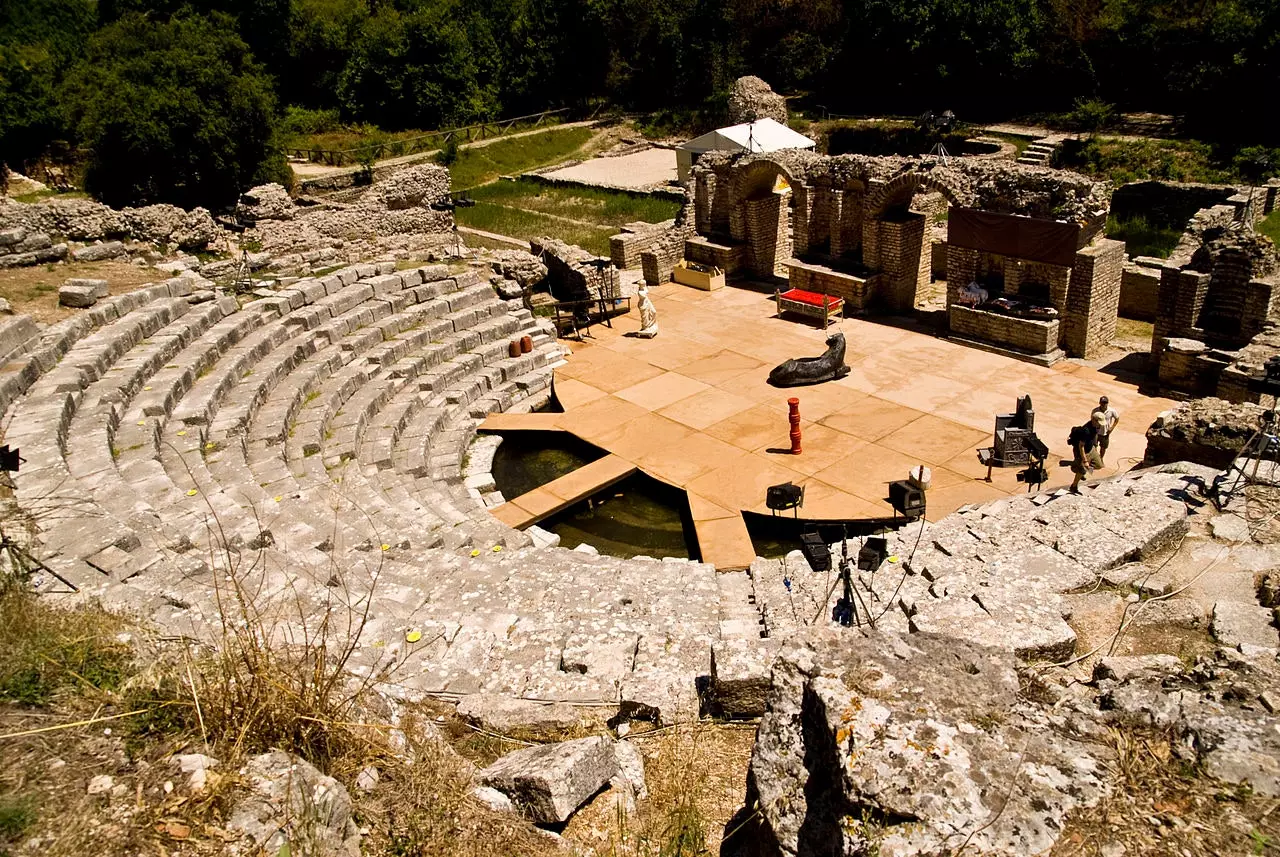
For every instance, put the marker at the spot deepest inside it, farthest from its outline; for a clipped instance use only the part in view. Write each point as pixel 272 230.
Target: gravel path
pixel 639 170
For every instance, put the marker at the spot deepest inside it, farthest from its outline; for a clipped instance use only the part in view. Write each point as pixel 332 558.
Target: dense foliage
pixel 175 112
pixel 403 64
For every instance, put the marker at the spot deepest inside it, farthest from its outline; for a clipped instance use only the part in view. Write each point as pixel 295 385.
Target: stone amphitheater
pixel 304 452
pixel 301 457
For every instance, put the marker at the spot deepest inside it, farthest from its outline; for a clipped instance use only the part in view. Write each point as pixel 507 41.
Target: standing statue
pixel 648 315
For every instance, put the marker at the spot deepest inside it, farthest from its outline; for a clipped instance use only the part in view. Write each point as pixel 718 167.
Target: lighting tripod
pixel 1263 443
pixel 21 564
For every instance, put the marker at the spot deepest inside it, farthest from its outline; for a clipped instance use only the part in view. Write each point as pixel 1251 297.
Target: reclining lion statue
pixel 812 370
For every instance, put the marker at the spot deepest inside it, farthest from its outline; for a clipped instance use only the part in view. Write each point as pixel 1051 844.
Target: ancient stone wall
pixel 87 220
pixel 573 274
pixel 1029 335
pixel 730 258
pixel 1093 298
pixel 858 292
pixel 1139 289
pixel 751 99
pixel 626 247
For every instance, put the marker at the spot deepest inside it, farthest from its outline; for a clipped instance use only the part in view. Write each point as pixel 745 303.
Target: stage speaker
pixel 816 552
pixel 906 499
pixel 872 553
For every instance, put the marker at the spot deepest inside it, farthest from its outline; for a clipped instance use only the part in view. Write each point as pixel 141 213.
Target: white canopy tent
pixel 763 135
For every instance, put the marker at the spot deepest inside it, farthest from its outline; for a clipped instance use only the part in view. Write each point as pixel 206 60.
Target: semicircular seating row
pixel 301 455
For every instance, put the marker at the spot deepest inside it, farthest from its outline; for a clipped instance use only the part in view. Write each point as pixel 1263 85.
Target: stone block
pixel 81 294
pixel 506 714
pixel 1235 622
pixel 98 252
pixel 549 782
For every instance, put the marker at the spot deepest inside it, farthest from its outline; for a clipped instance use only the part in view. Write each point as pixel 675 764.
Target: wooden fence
pixel 422 143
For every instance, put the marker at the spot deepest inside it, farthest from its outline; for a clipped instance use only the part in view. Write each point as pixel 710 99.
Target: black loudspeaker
pixel 1038 448
pixel 872 553
pixel 815 551
pixel 906 499
pixel 785 496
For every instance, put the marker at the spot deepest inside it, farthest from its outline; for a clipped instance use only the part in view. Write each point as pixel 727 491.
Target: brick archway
pixel 761 216
pixel 903 187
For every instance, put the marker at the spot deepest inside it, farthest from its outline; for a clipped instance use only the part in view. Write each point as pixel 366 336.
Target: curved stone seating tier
pixel 302 454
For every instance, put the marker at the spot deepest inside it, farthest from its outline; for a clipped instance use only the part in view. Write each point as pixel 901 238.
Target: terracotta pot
pixel 526 344
pixel 513 348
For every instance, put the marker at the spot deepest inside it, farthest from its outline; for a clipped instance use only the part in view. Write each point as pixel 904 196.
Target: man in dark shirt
pixel 1082 440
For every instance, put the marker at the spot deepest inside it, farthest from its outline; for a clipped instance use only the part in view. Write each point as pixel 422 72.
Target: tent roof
pixel 763 135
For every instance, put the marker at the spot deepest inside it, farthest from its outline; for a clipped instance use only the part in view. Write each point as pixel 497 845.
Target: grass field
pixel 519 223
pixel 347 137
pixel 1123 161
pixel 583 216
pixel 34 289
pixel 482 164
pixel 1270 227
pixel 1143 238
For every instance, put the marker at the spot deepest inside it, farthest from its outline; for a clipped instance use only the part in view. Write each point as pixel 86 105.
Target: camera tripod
pixel 1263 444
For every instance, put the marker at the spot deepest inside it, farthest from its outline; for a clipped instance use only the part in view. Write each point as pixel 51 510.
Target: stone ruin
pixel 406 202
pixel 43 232
pixel 846 226
pixel 1217 304
pixel 573 274
pixel 178 441
pixel 399 211
pixel 751 99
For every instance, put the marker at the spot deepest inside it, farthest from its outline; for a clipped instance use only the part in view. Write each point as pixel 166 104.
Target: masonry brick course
pixel 1022 334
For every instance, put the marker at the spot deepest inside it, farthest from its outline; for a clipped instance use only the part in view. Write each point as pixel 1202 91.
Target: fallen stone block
pixel 549 782
pixel 81 294
pixel 99 288
pixel 1235 622
pixel 505 714
pixel 908 744
pixel 290 801
pixel 1126 667
pixel 740 675
pixel 98 252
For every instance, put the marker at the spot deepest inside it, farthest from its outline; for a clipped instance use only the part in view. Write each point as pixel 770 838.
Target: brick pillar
pixel 802 205
pixel 871 243
pixel 766 233
pixel 962 269
pixel 704 190
pixel 1093 298
pixel 738 213
pixel 904 260
pixel 836 223
pixel 1259 305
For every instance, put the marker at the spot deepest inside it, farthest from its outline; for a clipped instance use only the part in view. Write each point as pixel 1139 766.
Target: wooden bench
pixel 812 304
pixel 576 317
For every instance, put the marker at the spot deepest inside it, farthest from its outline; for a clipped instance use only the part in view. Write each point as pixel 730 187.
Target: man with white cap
pixel 1105 419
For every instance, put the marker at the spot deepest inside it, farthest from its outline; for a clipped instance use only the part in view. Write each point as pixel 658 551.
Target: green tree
pixel 175 112
pixel 38 40
pixel 417 69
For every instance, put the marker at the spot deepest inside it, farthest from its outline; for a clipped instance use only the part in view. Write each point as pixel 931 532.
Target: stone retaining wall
pixel 858 292
pixel 1022 334
pixel 626 247
pixel 726 257
pixel 1139 290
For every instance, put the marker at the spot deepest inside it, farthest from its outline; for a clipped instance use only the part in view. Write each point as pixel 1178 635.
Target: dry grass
pixel 1132 330
pixel 34 290
pixel 696 775
pixel 1164 806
